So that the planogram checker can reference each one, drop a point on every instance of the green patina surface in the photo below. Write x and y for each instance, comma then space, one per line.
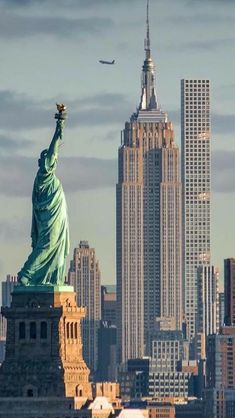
50, 233
43, 289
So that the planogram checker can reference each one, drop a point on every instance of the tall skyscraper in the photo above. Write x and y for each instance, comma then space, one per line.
229, 291
84, 275
207, 317
148, 220
196, 179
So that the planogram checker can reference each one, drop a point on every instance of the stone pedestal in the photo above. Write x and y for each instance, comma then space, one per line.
43, 346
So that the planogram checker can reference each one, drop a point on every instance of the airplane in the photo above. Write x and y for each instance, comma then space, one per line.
107, 62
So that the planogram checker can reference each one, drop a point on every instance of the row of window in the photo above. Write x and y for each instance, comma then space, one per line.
33, 330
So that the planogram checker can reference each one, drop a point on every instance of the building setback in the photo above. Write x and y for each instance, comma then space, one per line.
148, 221
196, 179
84, 275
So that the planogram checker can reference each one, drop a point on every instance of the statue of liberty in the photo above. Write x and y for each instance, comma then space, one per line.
50, 234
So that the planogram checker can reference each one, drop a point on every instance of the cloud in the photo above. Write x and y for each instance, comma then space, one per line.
206, 44
13, 26
220, 123
223, 170
76, 173
19, 112
10, 145
13, 229
61, 3
202, 19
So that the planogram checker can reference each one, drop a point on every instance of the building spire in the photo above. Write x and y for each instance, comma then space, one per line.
148, 96
147, 40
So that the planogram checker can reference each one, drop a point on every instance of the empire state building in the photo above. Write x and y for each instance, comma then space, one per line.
148, 197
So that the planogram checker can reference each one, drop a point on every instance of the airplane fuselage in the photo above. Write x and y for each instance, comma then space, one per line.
107, 62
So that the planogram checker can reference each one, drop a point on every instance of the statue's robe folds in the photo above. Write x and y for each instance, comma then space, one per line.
50, 233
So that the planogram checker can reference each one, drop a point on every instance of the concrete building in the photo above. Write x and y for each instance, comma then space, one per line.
229, 291
193, 408
3, 331
221, 309
7, 289
167, 350
156, 409
219, 403
107, 353
160, 410
84, 275
148, 220
207, 316
220, 383
170, 384
109, 304
221, 359
196, 179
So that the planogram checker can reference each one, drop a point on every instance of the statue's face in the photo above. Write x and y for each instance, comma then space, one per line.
42, 160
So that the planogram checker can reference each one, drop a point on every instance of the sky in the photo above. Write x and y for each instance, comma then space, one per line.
49, 52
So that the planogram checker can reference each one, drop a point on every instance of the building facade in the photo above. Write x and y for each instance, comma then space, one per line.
221, 359
170, 384
167, 350
220, 385
229, 291
207, 316
109, 305
84, 275
196, 179
148, 220
7, 289
221, 309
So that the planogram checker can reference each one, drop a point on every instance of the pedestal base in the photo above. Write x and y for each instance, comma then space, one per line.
43, 346
43, 408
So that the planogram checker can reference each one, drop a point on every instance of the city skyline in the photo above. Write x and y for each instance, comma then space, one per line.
23, 105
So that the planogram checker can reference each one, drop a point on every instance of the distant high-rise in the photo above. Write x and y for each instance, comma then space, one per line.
196, 179
108, 305
148, 220
221, 309
7, 289
229, 291
221, 359
219, 396
84, 275
207, 317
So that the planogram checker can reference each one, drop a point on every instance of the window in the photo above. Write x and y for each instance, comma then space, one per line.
33, 331
43, 330
30, 393
71, 330
67, 330
22, 330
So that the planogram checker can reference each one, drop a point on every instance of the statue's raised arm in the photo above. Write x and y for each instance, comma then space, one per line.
50, 235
